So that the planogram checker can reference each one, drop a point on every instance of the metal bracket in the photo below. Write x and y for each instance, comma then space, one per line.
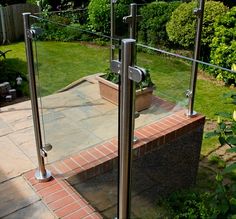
30, 34
43, 153
194, 113
33, 32
197, 12
136, 114
136, 73
128, 19
116, 66
47, 147
188, 93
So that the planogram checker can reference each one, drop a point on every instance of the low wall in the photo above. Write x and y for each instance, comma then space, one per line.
167, 152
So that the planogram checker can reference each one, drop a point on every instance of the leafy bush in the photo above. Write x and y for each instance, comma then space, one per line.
99, 15
182, 25
189, 204
114, 78
9, 73
223, 46
215, 159
60, 28
224, 197
60, 4
153, 25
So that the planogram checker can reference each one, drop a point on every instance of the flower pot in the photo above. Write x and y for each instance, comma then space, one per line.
109, 91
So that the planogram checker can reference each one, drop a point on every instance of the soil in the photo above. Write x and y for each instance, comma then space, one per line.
210, 125
220, 151
204, 76
17, 100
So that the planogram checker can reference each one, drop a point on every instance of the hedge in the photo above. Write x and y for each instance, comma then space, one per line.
182, 26
152, 28
223, 46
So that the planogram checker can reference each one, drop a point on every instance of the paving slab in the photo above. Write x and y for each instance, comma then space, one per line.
36, 210
72, 143
15, 194
4, 128
17, 116
25, 141
13, 161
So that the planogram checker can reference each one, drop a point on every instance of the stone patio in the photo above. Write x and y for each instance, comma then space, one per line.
75, 121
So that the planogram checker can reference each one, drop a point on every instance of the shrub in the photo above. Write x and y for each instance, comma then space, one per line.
99, 14
59, 4
12, 68
53, 27
153, 25
61, 29
223, 46
182, 25
190, 204
224, 196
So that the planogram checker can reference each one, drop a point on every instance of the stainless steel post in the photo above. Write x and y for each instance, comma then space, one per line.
132, 20
133, 24
41, 174
112, 29
126, 130
199, 12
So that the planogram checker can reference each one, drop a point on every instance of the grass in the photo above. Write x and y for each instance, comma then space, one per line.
171, 76
59, 64
70, 61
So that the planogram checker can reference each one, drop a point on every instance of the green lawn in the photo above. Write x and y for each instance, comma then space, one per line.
59, 64
171, 76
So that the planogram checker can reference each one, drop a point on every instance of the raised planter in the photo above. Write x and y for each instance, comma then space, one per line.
109, 91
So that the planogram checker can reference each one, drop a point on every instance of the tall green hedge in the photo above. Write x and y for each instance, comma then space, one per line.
152, 28
182, 25
99, 15
223, 47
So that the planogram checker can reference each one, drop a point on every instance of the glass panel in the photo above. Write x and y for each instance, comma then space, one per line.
171, 77
74, 117
73, 113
